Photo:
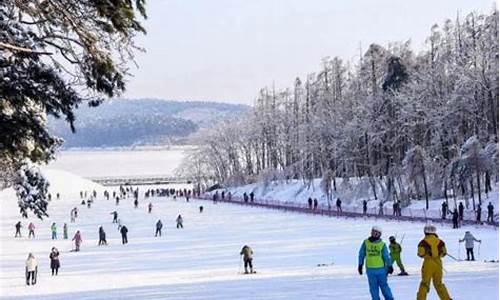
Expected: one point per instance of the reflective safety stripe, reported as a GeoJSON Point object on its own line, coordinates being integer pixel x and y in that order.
{"type": "Point", "coordinates": [374, 254]}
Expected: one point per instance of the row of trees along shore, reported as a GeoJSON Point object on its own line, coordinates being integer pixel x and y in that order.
{"type": "Point", "coordinates": [414, 125]}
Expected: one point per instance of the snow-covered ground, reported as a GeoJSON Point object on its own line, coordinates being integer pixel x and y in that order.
{"type": "Point", "coordinates": [352, 195]}
{"type": "Point", "coordinates": [202, 260]}
{"type": "Point", "coordinates": [102, 162]}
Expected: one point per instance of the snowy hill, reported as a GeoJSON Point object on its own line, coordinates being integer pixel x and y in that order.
{"type": "Point", "coordinates": [132, 122]}
{"type": "Point", "coordinates": [202, 260]}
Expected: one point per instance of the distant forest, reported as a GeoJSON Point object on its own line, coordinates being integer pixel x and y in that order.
{"type": "Point", "coordinates": [126, 122]}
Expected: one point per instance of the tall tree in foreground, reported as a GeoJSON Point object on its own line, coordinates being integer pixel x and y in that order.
{"type": "Point", "coordinates": [55, 55]}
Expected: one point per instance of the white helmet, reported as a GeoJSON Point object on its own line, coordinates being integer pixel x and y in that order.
{"type": "Point", "coordinates": [377, 229]}
{"type": "Point", "coordinates": [429, 229]}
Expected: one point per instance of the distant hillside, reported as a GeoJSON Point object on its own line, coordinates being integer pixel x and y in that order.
{"type": "Point", "coordinates": [124, 122]}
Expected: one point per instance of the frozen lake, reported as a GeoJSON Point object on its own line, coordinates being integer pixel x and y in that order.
{"type": "Point", "coordinates": [100, 163]}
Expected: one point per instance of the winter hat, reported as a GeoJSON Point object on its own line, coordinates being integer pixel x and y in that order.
{"type": "Point", "coordinates": [429, 229]}
{"type": "Point", "coordinates": [377, 228]}
{"type": "Point", "coordinates": [392, 238]}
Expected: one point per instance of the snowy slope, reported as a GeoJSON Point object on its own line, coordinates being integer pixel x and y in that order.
{"type": "Point", "coordinates": [202, 260]}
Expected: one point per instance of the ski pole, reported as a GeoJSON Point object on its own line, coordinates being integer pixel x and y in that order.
{"type": "Point", "coordinates": [452, 257]}
{"type": "Point", "coordinates": [402, 238]}
{"type": "Point", "coordinates": [479, 251]}
{"type": "Point", "coordinates": [459, 250]}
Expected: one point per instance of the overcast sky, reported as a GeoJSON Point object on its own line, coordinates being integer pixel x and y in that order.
{"type": "Point", "coordinates": [226, 50]}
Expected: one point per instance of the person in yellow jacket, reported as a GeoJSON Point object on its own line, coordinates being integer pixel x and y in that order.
{"type": "Point", "coordinates": [432, 249]}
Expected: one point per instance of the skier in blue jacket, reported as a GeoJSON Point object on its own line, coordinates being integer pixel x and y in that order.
{"type": "Point", "coordinates": [378, 264]}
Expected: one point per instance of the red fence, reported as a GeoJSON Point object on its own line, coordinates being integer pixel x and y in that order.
{"type": "Point", "coordinates": [406, 214]}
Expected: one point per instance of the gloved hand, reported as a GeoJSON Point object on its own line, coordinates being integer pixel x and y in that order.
{"type": "Point", "coordinates": [360, 269]}
{"type": "Point", "coordinates": [390, 270]}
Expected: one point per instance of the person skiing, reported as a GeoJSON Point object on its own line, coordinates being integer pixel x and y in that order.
{"type": "Point", "coordinates": [115, 216]}
{"type": "Point", "coordinates": [102, 237]}
{"type": "Point", "coordinates": [150, 207]}
{"type": "Point", "coordinates": [378, 264]}
{"type": "Point", "coordinates": [395, 252]}
{"type": "Point", "coordinates": [469, 244]}
{"type": "Point", "coordinates": [117, 200]}
{"type": "Point", "coordinates": [53, 229]}
{"type": "Point", "coordinates": [315, 203]}
{"type": "Point", "coordinates": [31, 269]}
{"type": "Point", "coordinates": [179, 222]}
{"type": "Point", "coordinates": [18, 229]}
{"type": "Point", "coordinates": [444, 210]}
{"type": "Point", "coordinates": [490, 213]}
{"type": "Point", "coordinates": [159, 226]}
{"type": "Point", "coordinates": [31, 228]}
{"type": "Point", "coordinates": [365, 207]}
{"type": "Point", "coordinates": [136, 203]}
{"type": "Point", "coordinates": [454, 218]}
{"type": "Point", "coordinates": [65, 231]}
{"type": "Point", "coordinates": [78, 240]}
{"type": "Point", "coordinates": [461, 211]}
{"type": "Point", "coordinates": [201, 208]}
{"type": "Point", "coordinates": [310, 202]}
{"type": "Point", "coordinates": [432, 249]}
{"type": "Point", "coordinates": [124, 231]}
{"type": "Point", "coordinates": [54, 261]}
{"type": "Point", "coordinates": [247, 253]}
{"type": "Point", "coordinates": [478, 214]}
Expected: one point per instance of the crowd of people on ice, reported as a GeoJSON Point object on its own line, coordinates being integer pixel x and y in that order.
{"type": "Point", "coordinates": [374, 256]}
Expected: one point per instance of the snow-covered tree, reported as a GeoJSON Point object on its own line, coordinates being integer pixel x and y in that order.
{"type": "Point", "coordinates": [31, 189]}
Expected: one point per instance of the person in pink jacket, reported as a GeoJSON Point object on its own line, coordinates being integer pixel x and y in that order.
{"type": "Point", "coordinates": [78, 240]}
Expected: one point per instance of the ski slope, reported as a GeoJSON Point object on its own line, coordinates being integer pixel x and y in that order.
{"type": "Point", "coordinates": [202, 260]}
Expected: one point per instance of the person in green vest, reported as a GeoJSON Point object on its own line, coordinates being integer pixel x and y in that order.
{"type": "Point", "coordinates": [378, 264]}
{"type": "Point", "coordinates": [53, 229]}
{"type": "Point", "coordinates": [395, 250]}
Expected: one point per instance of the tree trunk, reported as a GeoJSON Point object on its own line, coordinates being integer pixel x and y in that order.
{"type": "Point", "coordinates": [472, 194]}
{"type": "Point", "coordinates": [425, 190]}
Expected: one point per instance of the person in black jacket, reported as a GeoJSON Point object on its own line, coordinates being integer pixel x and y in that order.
{"type": "Point", "coordinates": [102, 237]}
{"type": "Point", "coordinates": [159, 226]}
{"type": "Point", "coordinates": [461, 211]}
{"type": "Point", "coordinates": [490, 213]}
{"type": "Point", "coordinates": [454, 218]}
{"type": "Point", "coordinates": [54, 261]}
{"type": "Point", "coordinates": [124, 231]}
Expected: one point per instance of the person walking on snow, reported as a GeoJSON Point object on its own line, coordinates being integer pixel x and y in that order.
{"type": "Point", "coordinates": [339, 205]}
{"type": "Point", "coordinates": [18, 229]}
{"type": "Point", "coordinates": [102, 237]}
{"type": "Point", "coordinates": [54, 261]}
{"type": "Point", "coordinates": [65, 231]}
{"type": "Point", "coordinates": [478, 214]}
{"type": "Point", "coordinates": [365, 207]}
{"type": "Point", "coordinates": [247, 253]}
{"type": "Point", "coordinates": [315, 203]}
{"type": "Point", "coordinates": [461, 211]}
{"type": "Point", "coordinates": [115, 216]}
{"type": "Point", "coordinates": [310, 203]}
{"type": "Point", "coordinates": [179, 222]}
{"type": "Point", "coordinates": [395, 252]}
{"type": "Point", "coordinates": [53, 229]}
{"type": "Point", "coordinates": [490, 213]}
{"type": "Point", "coordinates": [432, 249]}
{"type": "Point", "coordinates": [454, 218]}
{"type": "Point", "coordinates": [31, 228]}
{"type": "Point", "coordinates": [444, 210]}
{"type": "Point", "coordinates": [124, 231]}
{"type": "Point", "coordinates": [159, 226]}
{"type": "Point", "coordinates": [378, 264]}
{"type": "Point", "coordinates": [78, 240]}
{"type": "Point", "coordinates": [469, 244]}
{"type": "Point", "coordinates": [31, 269]}
{"type": "Point", "coordinates": [150, 207]}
